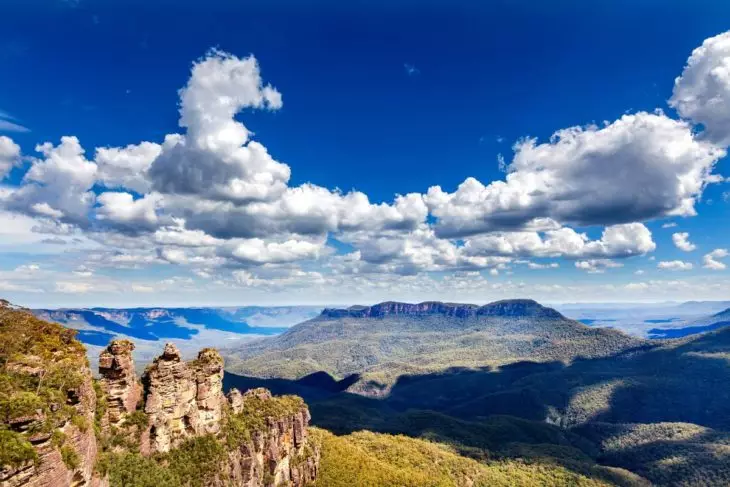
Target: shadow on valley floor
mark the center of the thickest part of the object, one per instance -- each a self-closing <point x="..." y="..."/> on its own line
<point x="592" y="404"/>
<point x="497" y="436"/>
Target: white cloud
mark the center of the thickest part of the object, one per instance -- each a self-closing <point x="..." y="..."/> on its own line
<point x="126" y="167"/>
<point x="124" y="211"/>
<point x="675" y="265"/>
<point x="215" y="158"/>
<point x="535" y="265"/>
<point x="681" y="241"/>
<point x="711" y="261"/>
<point x="702" y="92"/>
<point x="73" y="287"/>
<point x="213" y="199"/>
<point x="616" y="241"/>
<point x="257" y="251"/>
<point x="597" y="266"/>
<point x="8" y="124"/>
<point x="9" y="155"/>
<point x="140" y="288"/>
<point x="640" y="167"/>
<point x="58" y="186"/>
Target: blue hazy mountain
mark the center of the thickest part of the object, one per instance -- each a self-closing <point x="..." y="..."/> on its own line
<point x="189" y="328"/>
<point x="652" y="320"/>
<point x="709" y="323"/>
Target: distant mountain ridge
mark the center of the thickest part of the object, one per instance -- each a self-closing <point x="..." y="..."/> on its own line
<point x="190" y="329"/>
<point x="505" y="308"/>
<point x="389" y="339"/>
<point x="713" y="322"/>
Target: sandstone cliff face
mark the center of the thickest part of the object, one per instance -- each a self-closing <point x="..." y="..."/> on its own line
<point x="182" y="399"/>
<point x="507" y="308"/>
<point x="279" y="454"/>
<point x="119" y="381"/>
<point x="60" y="429"/>
<point x="51" y="470"/>
<point x="185" y="400"/>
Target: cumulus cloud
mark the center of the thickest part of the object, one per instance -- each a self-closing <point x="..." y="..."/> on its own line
<point x="214" y="199"/>
<point x="597" y="266"/>
<point x="681" y="241"/>
<point x="640" y="167"/>
<point x="675" y="265"/>
<point x="702" y="92"/>
<point x="215" y="157"/>
<point x="257" y="251"/>
<point x="535" y="265"/>
<point x="616" y="241"/>
<point x="126" y="167"/>
<point x="305" y="210"/>
<point x="712" y="260"/>
<point x="58" y="185"/>
<point x="126" y="212"/>
<point x="9" y="155"/>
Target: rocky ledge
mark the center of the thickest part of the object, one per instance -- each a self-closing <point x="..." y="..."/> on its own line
<point x="59" y="427"/>
<point x="513" y="308"/>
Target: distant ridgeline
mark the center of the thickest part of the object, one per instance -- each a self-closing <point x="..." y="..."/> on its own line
<point x="391" y="338"/>
<point x="526" y="308"/>
<point x="710" y="323"/>
<point x="190" y="329"/>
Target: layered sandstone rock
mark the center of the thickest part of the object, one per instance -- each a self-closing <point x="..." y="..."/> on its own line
<point x="185" y="399"/>
<point x="182" y="399"/>
<point x="515" y="308"/>
<point x="279" y="454"/>
<point x="51" y="470"/>
<point x="119" y="381"/>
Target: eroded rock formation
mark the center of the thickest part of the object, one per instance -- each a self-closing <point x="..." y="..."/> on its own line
<point x="119" y="381"/>
<point x="185" y="399"/>
<point x="279" y="454"/>
<point x="182" y="399"/>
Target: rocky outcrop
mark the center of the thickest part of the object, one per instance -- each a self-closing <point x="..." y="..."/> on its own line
<point x="60" y="431"/>
<point x="119" y="381"/>
<point x="51" y="469"/>
<point x="185" y="399"/>
<point x="278" y="454"/>
<point x="182" y="399"/>
<point x="514" y="308"/>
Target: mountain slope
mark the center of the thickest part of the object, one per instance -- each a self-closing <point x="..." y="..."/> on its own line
<point x="660" y="410"/>
<point x="391" y="338"/>
<point x="371" y="459"/>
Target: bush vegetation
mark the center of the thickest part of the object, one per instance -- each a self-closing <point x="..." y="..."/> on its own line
<point x="15" y="450"/>
<point x="373" y="460"/>
<point x="41" y="367"/>
<point x="192" y="464"/>
<point x="255" y="414"/>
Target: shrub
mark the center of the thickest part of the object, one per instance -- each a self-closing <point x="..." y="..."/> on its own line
<point x="134" y="470"/>
<point x="15" y="450"/>
<point x="137" y="419"/>
<point x="20" y="404"/>
<point x="70" y="457"/>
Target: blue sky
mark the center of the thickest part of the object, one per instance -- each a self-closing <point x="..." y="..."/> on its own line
<point x="381" y="98"/>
